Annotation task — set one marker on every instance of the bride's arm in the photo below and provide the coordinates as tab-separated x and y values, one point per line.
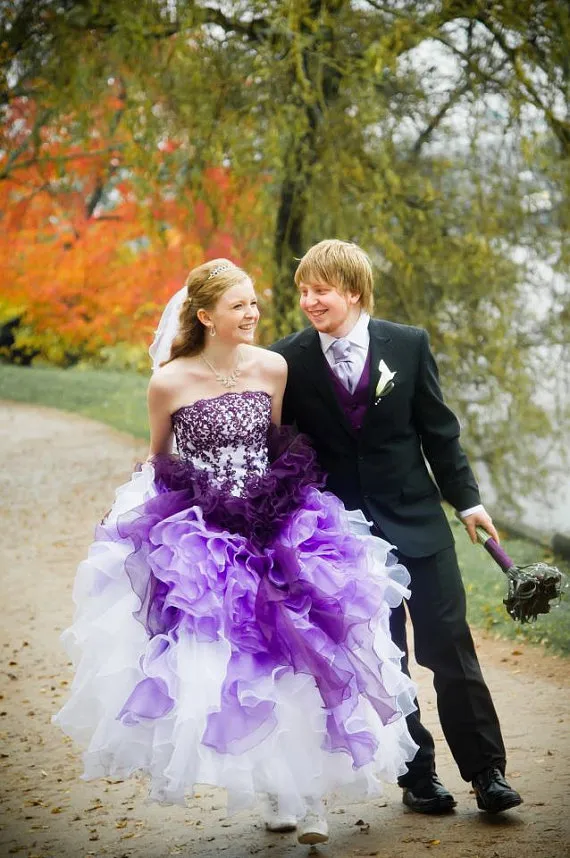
159	400
276	370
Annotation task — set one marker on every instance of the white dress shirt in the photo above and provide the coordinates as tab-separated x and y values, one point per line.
359	339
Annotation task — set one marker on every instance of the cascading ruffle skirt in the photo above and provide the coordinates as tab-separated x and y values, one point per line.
241	642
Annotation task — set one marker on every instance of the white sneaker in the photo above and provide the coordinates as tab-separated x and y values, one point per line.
313	829
274	821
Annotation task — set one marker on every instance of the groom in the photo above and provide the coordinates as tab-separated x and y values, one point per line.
367	393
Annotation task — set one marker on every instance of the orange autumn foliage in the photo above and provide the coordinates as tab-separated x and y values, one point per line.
87	264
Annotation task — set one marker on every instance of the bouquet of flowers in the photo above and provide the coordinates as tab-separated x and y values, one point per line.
530	588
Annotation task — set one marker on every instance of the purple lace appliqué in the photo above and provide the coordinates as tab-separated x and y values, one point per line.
226	436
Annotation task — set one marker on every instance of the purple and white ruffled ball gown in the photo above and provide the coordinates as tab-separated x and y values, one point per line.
231	624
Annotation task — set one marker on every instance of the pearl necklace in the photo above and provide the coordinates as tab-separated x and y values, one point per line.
225	380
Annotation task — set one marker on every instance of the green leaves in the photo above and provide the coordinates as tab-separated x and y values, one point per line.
433	135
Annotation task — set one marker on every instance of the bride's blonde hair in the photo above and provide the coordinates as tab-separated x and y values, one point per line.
205	285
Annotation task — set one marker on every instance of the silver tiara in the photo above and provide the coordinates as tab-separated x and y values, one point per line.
218	270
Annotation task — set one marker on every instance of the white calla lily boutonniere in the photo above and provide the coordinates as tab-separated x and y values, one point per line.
385	382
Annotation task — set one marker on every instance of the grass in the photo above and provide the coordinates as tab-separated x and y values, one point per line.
115	398
118	399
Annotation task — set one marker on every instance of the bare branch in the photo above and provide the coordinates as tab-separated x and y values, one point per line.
56	159
256	30
560	128
19	150
436	120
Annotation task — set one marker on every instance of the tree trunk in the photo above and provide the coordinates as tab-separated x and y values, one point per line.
289	241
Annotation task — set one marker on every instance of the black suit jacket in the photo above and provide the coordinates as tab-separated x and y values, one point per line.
382	468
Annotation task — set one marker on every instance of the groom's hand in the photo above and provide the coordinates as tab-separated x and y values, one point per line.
481	518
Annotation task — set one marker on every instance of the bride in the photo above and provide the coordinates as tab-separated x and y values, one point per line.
231	623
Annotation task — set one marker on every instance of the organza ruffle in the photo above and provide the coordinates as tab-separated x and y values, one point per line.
277	595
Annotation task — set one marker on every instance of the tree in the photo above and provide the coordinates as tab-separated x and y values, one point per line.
422	130
88	262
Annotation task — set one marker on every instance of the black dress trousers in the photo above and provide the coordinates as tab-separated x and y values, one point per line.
443	643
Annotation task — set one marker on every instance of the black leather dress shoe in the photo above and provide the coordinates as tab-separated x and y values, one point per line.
428	795
493	792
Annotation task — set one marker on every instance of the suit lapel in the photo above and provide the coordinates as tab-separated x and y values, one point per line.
380	349
316	372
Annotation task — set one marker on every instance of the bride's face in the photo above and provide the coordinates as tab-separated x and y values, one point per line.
236	314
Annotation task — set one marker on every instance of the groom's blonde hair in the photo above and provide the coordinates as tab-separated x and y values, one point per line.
341	264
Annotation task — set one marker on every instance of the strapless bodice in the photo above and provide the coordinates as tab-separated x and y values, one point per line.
226	435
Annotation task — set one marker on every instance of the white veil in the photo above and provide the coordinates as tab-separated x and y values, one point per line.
167	329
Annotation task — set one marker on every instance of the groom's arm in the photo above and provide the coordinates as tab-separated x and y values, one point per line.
439	432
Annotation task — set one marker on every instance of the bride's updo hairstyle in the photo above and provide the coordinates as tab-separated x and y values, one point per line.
205	285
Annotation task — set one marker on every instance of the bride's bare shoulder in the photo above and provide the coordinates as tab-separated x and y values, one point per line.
172	374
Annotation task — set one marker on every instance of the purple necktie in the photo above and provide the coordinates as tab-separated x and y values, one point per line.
343	366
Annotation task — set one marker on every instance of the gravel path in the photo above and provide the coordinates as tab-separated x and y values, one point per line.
59	475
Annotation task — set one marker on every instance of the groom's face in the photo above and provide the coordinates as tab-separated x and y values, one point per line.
327	309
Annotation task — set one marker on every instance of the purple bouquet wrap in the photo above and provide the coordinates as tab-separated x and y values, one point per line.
531	588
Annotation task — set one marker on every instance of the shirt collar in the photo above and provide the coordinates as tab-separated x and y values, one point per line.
357	336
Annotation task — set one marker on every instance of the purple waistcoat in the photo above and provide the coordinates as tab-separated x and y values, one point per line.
354	404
